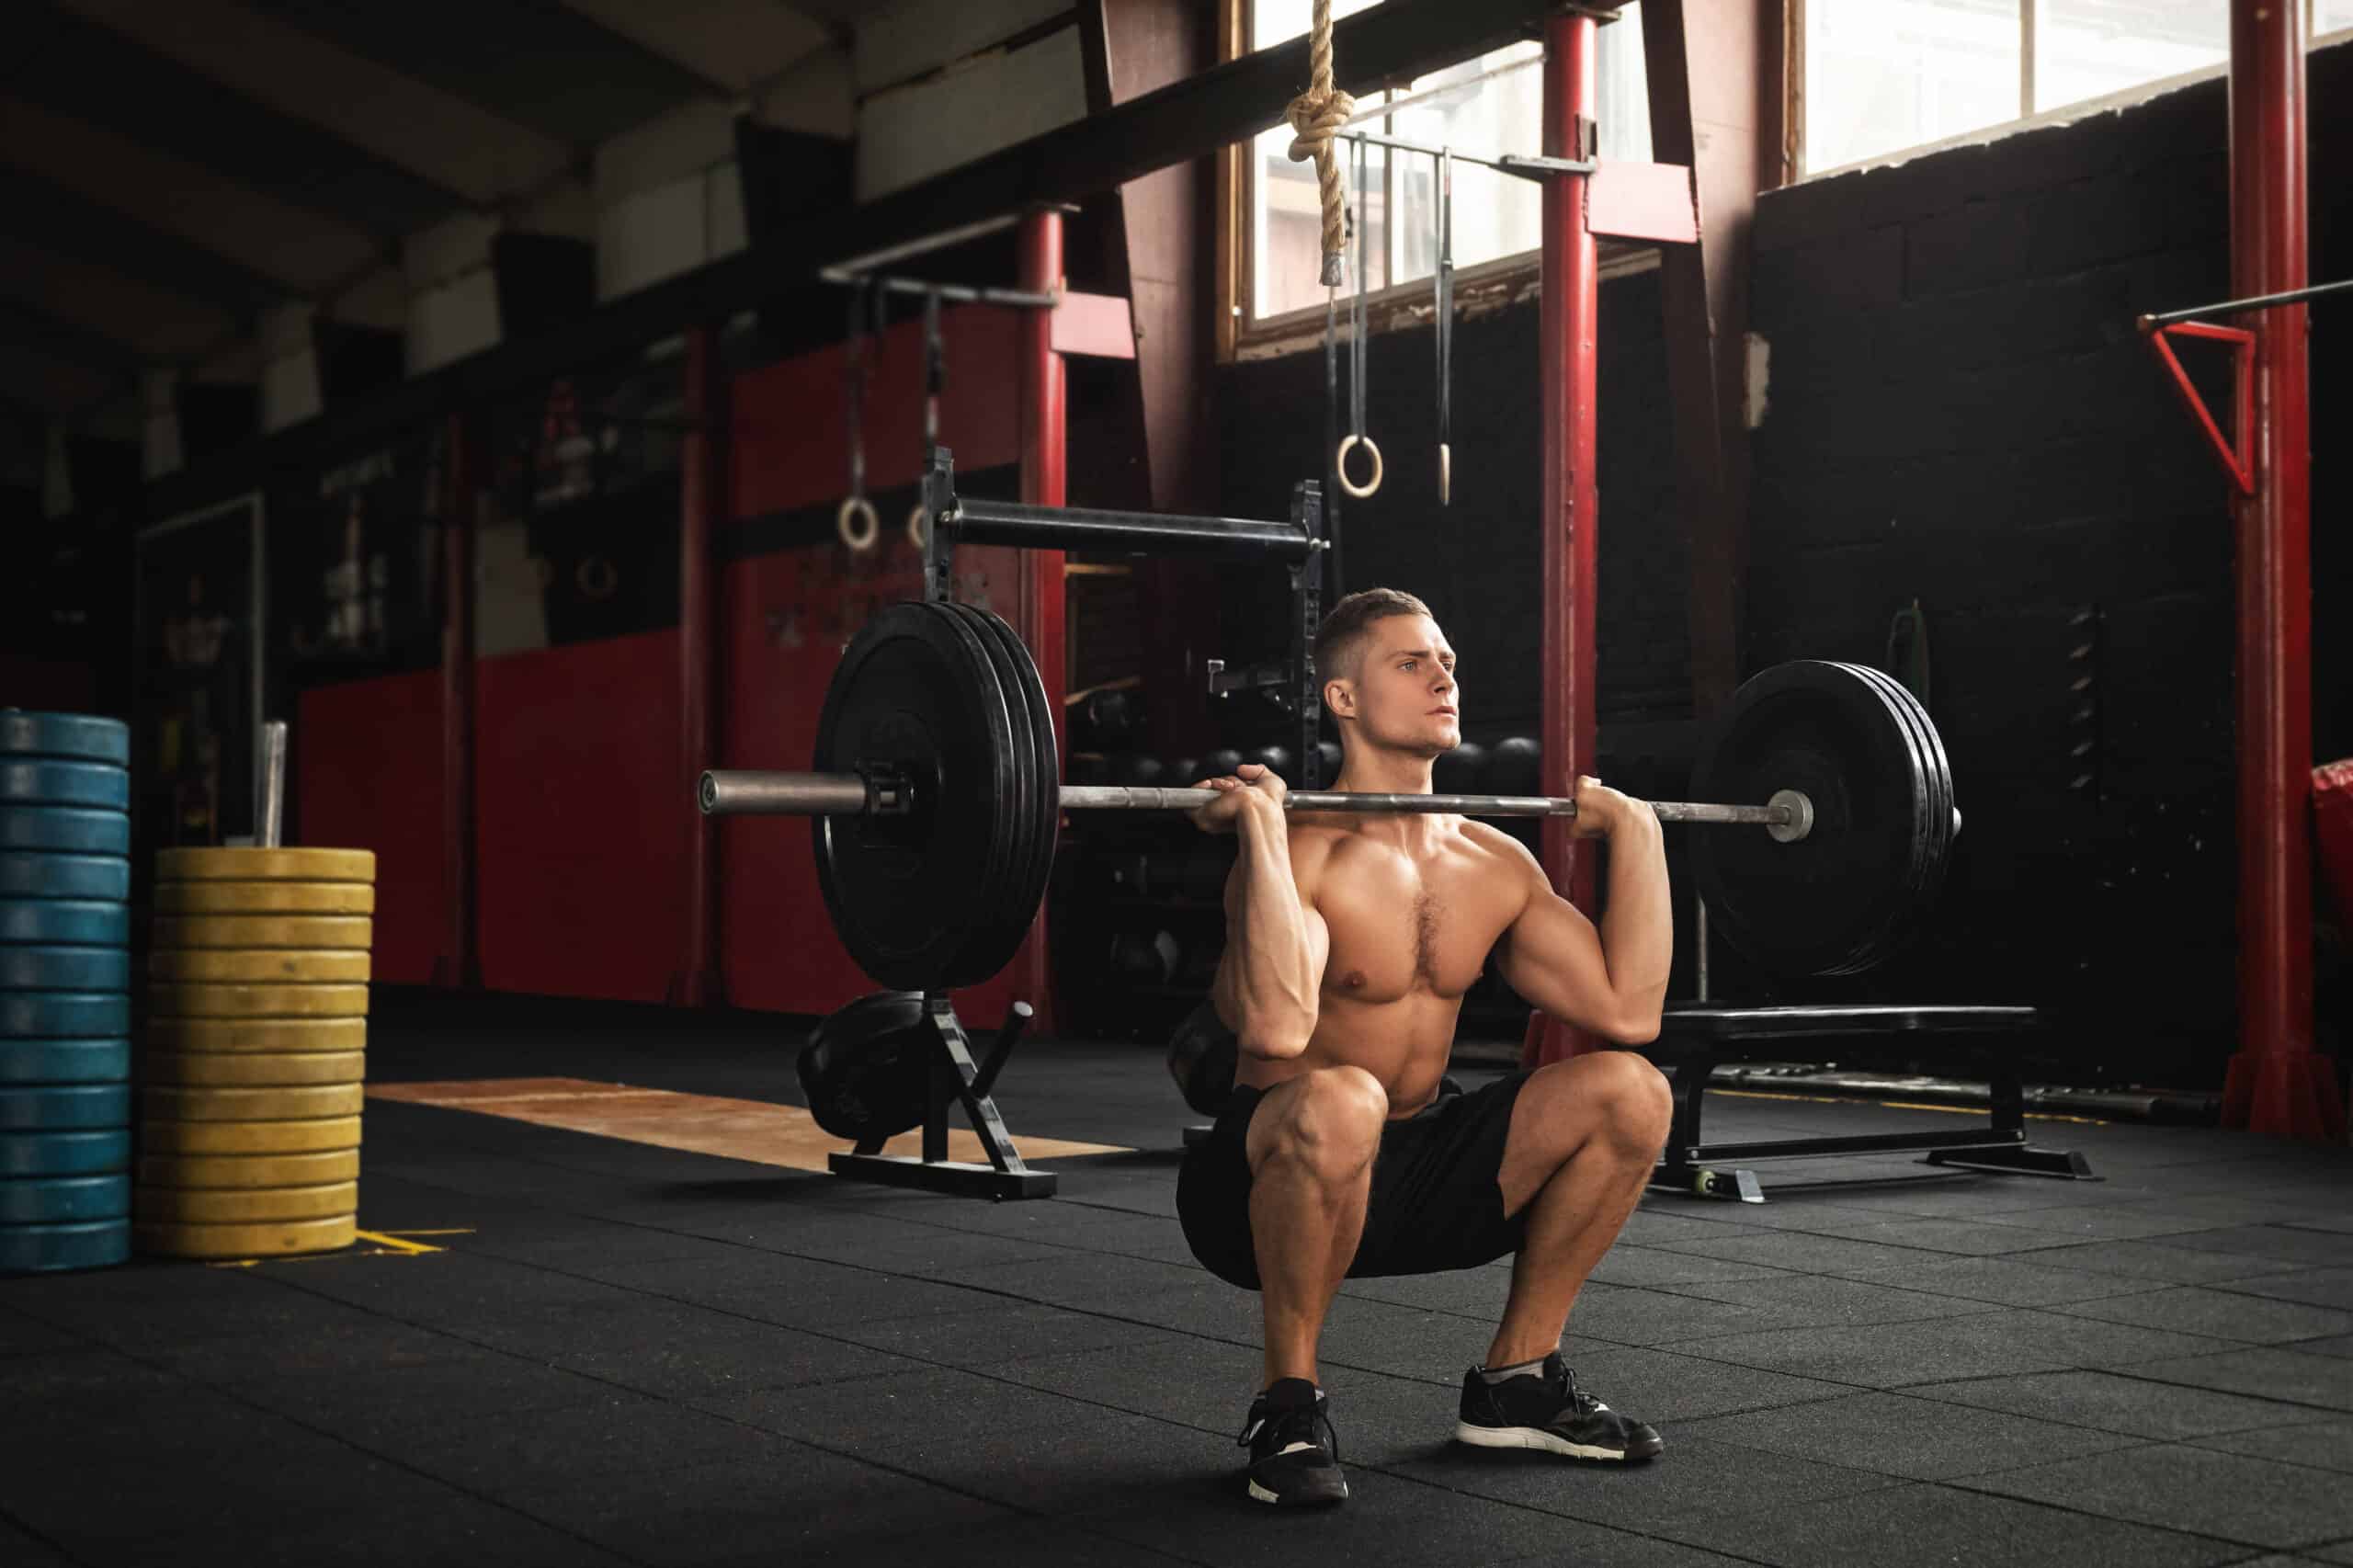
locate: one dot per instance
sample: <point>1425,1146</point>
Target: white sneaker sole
<point>1530,1438</point>
<point>1260,1495</point>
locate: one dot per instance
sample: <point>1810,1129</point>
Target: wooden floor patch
<point>705,1124</point>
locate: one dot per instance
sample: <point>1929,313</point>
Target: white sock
<point>1493,1375</point>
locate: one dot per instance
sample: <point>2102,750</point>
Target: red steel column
<point>1038,598</point>
<point>459,966</point>
<point>1567,330</point>
<point>2277,1084</point>
<point>697,981</point>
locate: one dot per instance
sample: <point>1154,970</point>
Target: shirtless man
<point>1344,1151</point>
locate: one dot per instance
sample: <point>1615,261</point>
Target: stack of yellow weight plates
<point>256,1051</point>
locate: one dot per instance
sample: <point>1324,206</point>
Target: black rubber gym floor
<point>621,1353</point>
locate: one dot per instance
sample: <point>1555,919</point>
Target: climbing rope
<point>1315,116</point>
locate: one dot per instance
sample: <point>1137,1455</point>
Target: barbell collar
<point>755,793</point>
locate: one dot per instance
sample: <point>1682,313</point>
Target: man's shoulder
<point>1488,839</point>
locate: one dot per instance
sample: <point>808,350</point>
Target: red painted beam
<point>460,965</point>
<point>697,983</point>
<point>2278,1083</point>
<point>1567,330</point>
<point>1038,598</point>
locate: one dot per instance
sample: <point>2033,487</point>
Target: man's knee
<point>1628,1102</point>
<point>1640,1103</point>
<point>1328,1121</point>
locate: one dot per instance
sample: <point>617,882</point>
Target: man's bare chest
<point>1398,924</point>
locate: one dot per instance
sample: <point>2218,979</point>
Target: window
<point>1882,77</point>
<point>1492,104</point>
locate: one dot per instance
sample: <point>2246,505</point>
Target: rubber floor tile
<point>1910,1438</point>
<point>1942,1350</point>
<point>2324,1444</point>
<point>2165,1262</point>
<point>2286,1244</point>
<point>1695,1477</point>
<point>687,1352</point>
<point>1204,1515</point>
<point>2233,1497</point>
<point>22,1336</point>
<point>1963,1238</point>
<point>2029,1281</point>
<point>813,1501</point>
<point>1662,1387</point>
<point>1927,1524</point>
<point>2251,1320</point>
<point>2266,1373</point>
<point>1624,1316</point>
<point>874,1415</point>
<point>1033,1543</point>
<point>2120,1223</point>
<point>1005,1332</point>
<point>2120,1401</point>
<point>532,1449</point>
<point>1828,1300</point>
<point>1625,1265</point>
<point>2313,1287</point>
<point>464,1387</point>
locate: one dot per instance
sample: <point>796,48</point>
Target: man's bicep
<point>1551,956</point>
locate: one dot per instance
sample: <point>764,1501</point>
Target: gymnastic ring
<point>1340,466</point>
<point>919,526</point>
<point>857,537</point>
<point>595,577</point>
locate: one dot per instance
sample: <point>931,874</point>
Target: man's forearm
<point>1265,936</point>
<point>1638,925</point>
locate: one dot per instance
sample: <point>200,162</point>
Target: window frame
<point>1478,289</point>
<point>2030,14</point>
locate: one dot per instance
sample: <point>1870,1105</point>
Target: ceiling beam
<point>1187,120</point>
<point>541,66</point>
<point>72,225</point>
<point>78,68</point>
<point>70,341</point>
<point>1190,118</point>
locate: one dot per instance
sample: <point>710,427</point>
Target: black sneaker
<point>1294,1454</point>
<point>1547,1411</point>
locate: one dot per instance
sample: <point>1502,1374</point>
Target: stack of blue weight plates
<point>64,992</point>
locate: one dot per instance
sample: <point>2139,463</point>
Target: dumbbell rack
<point>954,1078</point>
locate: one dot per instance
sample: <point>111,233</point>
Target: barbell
<point>935,806</point>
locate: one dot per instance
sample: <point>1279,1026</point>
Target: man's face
<point>1407,696</point>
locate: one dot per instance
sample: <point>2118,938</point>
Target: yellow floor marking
<point>1902,1105</point>
<point>753,1131</point>
<point>386,1238</point>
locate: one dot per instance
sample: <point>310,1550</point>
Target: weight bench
<point>1693,1040</point>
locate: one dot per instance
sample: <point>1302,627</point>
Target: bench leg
<point>1677,1171</point>
<point>2008,1094</point>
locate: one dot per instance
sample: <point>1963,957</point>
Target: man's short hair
<point>1339,641</point>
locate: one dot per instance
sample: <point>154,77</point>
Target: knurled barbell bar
<point>935,806</point>
<point>882,791</point>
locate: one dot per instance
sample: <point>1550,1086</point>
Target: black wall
<point>1476,562</point>
<point>1958,413</point>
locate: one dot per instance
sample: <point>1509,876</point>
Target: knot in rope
<point>1316,116</point>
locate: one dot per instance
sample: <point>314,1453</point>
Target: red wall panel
<point>784,617</point>
<point>581,801</point>
<point>367,760</point>
<point>791,419</point>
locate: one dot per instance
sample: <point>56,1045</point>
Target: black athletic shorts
<point>1435,1203</point>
